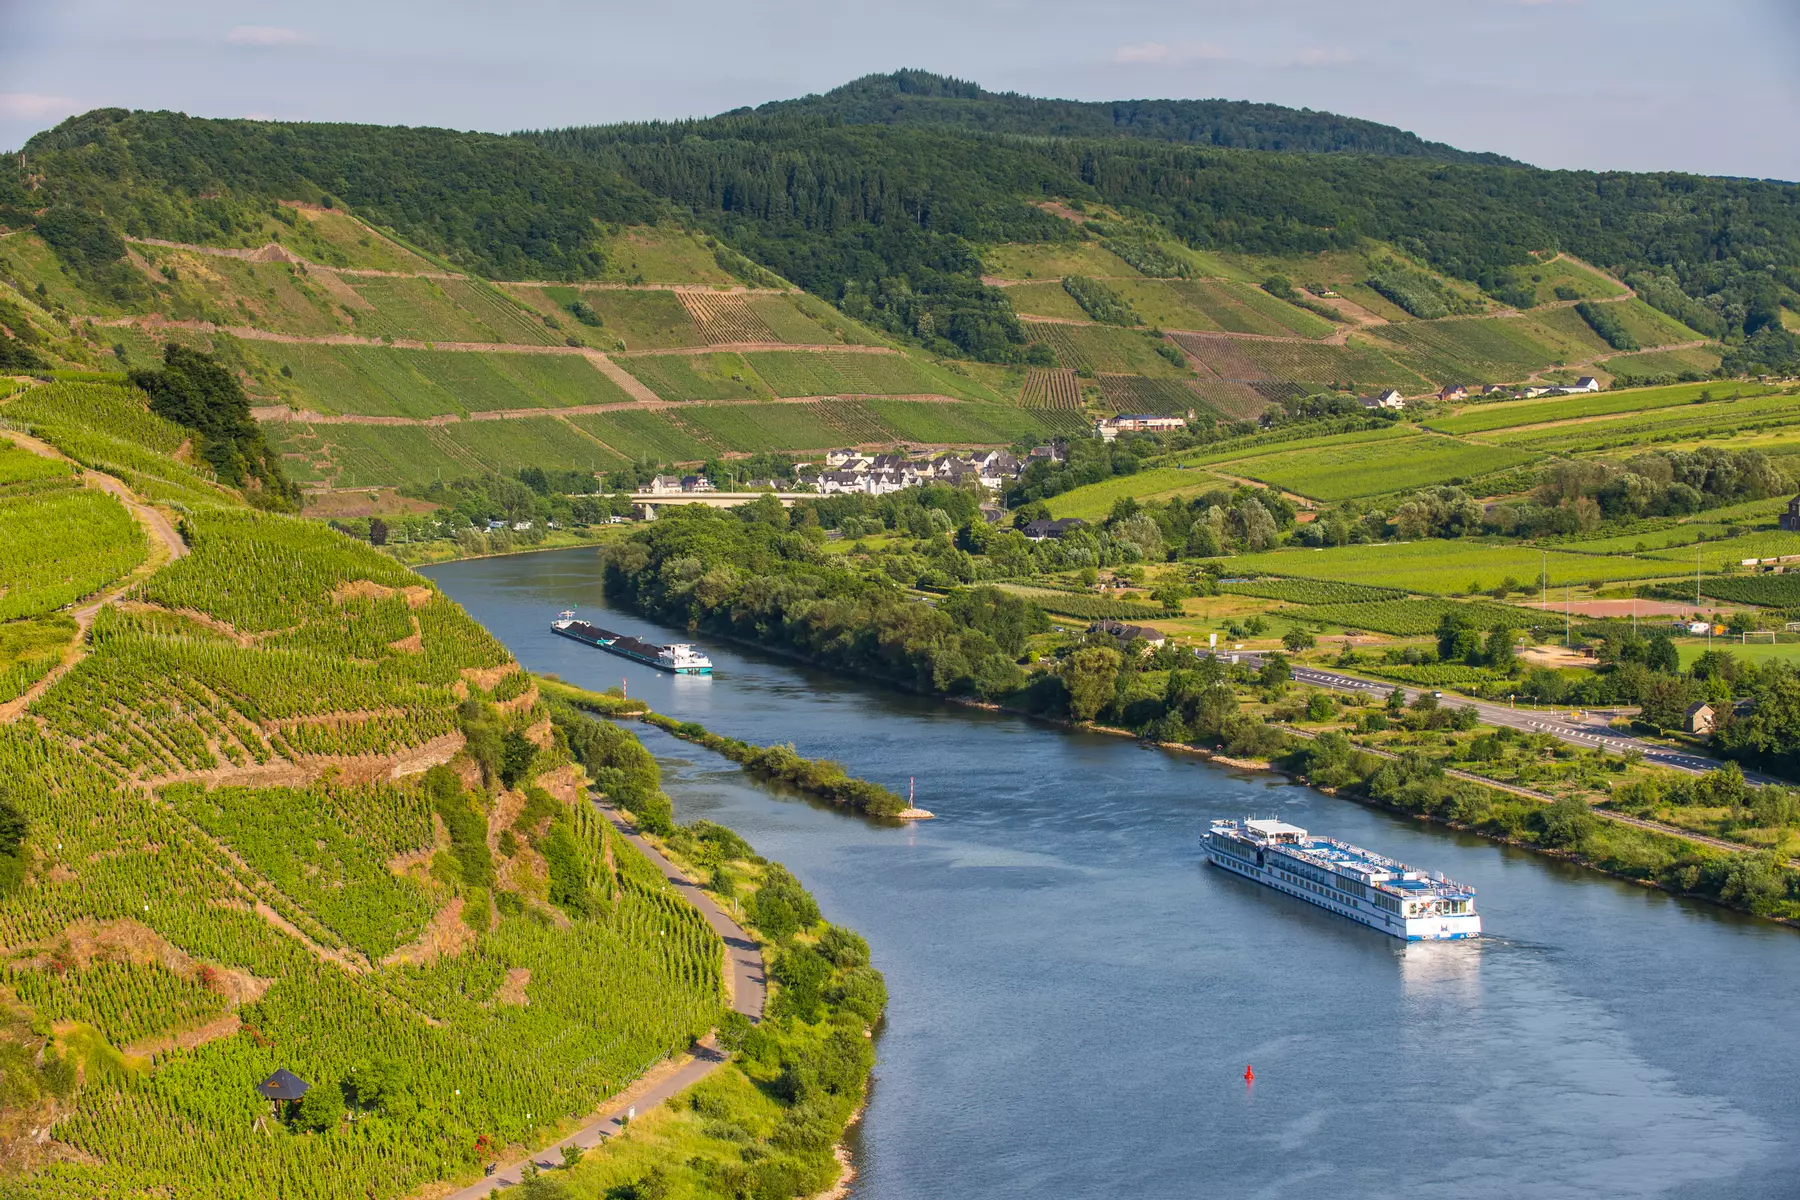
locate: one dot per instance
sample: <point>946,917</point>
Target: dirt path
<point>709,289</point>
<point>749,992</point>
<point>166,547</point>
<point>272,413</point>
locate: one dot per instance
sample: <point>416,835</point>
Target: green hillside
<point>270,801</point>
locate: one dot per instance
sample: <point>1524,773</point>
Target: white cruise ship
<point>1419,906</point>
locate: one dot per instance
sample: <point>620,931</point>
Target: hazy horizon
<point>1582,84</point>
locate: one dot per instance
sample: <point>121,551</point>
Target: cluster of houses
<point>1587,383</point>
<point>877,475</point>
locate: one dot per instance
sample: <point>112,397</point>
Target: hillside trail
<point>167,546</point>
<point>303,416</point>
<point>747,982</point>
<point>706,288</point>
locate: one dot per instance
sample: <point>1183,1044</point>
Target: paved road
<point>1594,736</point>
<point>749,991</point>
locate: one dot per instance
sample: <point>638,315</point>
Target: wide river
<point>1075,995</point>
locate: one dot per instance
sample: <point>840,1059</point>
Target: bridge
<point>648,504</point>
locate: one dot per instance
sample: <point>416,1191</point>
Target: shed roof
<point>283,1085</point>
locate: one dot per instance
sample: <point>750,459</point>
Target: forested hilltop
<point>921,98</point>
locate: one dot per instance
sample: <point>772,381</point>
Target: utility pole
<point>1696,577</point>
<point>1568,642</point>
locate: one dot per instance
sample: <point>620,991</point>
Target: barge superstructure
<point>678,659</point>
<point>1373,890</point>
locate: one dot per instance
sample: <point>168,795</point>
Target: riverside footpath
<point>745,973</point>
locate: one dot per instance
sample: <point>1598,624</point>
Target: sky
<point>1695,85</point>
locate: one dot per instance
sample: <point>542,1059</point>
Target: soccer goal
<point>1759,635</point>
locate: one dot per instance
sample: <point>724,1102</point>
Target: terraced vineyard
<point>444,310</point>
<point>1098,348</point>
<point>724,318</point>
<point>1163,397</point>
<point>1053,388</point>
<point>640,435</point>
<point>1468,350</point>
<point>698,376</point>
<point>467,957</point>
<point>1377,467</point>
<point>828,373</point>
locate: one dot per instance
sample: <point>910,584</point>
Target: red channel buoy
<point>1249,1075</point>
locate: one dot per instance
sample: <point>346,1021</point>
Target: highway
<point>1595,736</point>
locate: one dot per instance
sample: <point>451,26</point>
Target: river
<point>1075,995</point>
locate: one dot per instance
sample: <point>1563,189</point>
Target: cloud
<point>1160,52</point>
<point>268,35</point>
<point>29,106</point>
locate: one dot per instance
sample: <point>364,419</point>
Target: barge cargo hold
<point>1372,890</point>
<point>678,659</point>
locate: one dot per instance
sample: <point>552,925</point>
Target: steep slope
<point>285,806</point>
<point>920,98</point>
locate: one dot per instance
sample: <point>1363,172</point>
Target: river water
<point>1075,995</point>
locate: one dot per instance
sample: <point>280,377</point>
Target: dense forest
<point>886,219</point>
<point>920,98</point>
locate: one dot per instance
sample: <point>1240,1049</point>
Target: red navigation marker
<point>1249,1075</point>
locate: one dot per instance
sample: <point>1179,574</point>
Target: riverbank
<point>436,553</point>
<point>820,779</point>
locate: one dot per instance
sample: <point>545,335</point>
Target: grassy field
<point>1045,300</point>
<point>1756,652</point>
<point>340,240</point>
<point>1447,567</point>
<point>1545,277</point>
<point>662,254</point>
<point>1053,260</point>
<point>1376,466</point>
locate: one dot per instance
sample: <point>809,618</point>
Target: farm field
<point>445,310</point>
<point>1656,539</point>
<point>803,321</point>
<point>1376,467</point>
<point>1415,618</point>
<point>1236,455</point>
<point>1163,397</point>
<point>642,319</point>
<point>1052,388</point>
<point>824,373</point>
<point>697,376</point>
<point>641,435</point>
<point>546,442</point>
<point>60,545</point>
<point>367,455</point>
<point>1510,414</point>
<point>380,382</point>
<point>1651,365</point>
<point>1699,420</point>
<point>1235,308</point>
<point>1715,556</point>
<point>970,424</point>
<point>1357,364</point>
<point>1467,350</point>
<point>789,427</point>
<point>1763,590</point>
<point>1095,500</point>
<point>1103,349</point>
<point>1233,401</point>
<point>1448,567</point>
<point>1308,591</point>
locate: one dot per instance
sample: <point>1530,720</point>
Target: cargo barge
<point>1418,906</point>
<point>678,659</point>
